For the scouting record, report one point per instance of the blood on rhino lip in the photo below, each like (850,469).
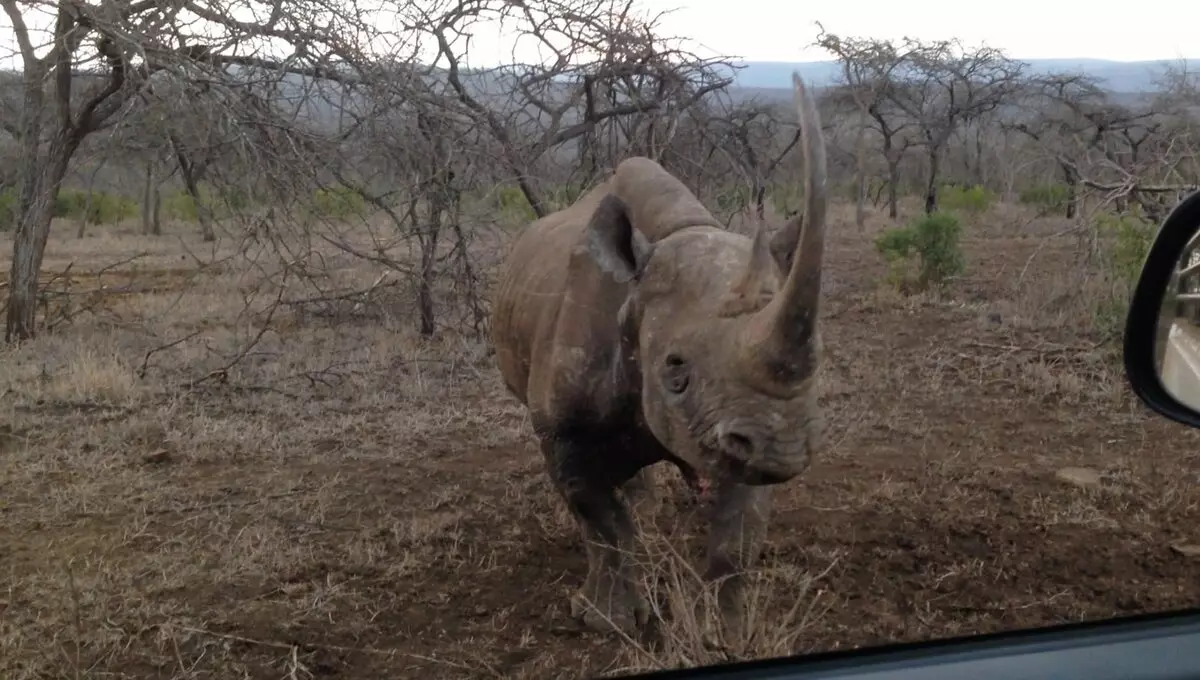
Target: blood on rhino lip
(696,479)
(702,484)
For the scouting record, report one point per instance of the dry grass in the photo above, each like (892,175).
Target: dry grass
(783,604)
(346,499)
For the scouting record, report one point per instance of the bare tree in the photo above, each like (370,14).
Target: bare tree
(752,137)
(418,136)
(942,85)
(407,156)
(1142,153)
(125,45)
(606,64)
(867,68)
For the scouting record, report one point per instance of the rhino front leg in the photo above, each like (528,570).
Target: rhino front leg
(740,514)
(609,597)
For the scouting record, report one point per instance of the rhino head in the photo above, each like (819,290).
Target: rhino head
(718,331)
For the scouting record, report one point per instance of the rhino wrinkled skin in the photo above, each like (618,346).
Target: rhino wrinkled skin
(636,330)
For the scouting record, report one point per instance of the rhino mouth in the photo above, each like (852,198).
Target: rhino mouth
(735,470)
(756,476)
(734,458)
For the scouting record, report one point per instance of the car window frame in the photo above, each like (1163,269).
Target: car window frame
(1160,645)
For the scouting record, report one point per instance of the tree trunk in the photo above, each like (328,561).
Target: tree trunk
(39,192)
(156,218)
(531,195)
(462,245)
(151,203)
(860,152)
(207,234)
(893,191)
(429,244)
(931,185)
(1072,193)
(191,181)
(81,230)
(979,170)
(893,172)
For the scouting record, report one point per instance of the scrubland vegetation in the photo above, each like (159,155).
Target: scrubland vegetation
(250,425)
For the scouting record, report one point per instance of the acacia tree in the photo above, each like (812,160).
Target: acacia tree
(144,145)
(756,130)
(104,55)
(603,64)
(942,85)
(720,138)
(1057,115)
(408,153)
(415,139)
(701,151)
(869,71)
(1142,152)
(867,68)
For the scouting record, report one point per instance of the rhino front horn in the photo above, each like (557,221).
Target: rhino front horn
(781,336)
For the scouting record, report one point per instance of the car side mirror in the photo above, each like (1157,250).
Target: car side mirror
(1162,329)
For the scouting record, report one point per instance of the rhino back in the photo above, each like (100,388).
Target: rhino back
(555,321)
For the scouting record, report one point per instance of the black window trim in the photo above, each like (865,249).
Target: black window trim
(1157,646)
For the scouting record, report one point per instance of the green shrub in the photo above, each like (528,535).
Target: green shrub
(68,203)
(337,203)
(180,205)
(973,201)
(786,198)
(512,204)
(734,199)
(100,208)
(8,208)
(1129,239)
(563,196)
(1126,240)
(1047,198)
(234,199)
(933,242)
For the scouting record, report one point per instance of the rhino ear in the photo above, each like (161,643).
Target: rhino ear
(616,247)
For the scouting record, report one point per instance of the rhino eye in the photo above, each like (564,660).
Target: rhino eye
(675,374)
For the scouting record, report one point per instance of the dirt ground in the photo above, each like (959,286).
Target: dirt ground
(347,501)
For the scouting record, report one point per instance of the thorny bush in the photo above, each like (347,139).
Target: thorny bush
(934,242)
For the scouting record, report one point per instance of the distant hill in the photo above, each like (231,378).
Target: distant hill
(765,81)
(1115,76)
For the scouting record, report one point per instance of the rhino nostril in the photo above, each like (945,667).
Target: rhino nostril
(737,445)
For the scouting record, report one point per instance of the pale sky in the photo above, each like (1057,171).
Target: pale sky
(779,30)
(783,30)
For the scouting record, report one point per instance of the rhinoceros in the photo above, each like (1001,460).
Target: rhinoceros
(635,329)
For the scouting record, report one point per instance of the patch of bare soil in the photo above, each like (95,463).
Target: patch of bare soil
(390,518)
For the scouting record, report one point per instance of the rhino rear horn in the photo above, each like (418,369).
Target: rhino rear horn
(617,248)
(753,290)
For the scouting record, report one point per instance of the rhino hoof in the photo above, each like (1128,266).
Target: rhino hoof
(622,617)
